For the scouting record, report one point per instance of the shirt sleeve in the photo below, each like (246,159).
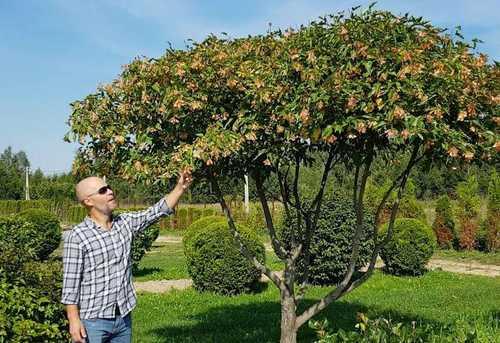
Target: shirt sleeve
(140,220)
(73,256)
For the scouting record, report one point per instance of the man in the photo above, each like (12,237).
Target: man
(97,283)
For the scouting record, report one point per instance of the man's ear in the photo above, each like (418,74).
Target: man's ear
(87,202)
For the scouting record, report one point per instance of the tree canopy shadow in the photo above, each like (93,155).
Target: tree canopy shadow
(146,271)
(260,322)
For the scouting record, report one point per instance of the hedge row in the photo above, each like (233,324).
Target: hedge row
(66,212)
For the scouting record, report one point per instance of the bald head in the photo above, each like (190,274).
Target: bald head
(88,186)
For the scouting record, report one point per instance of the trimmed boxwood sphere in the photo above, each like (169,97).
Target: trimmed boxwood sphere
(198,225)
(410,248)
(331,243)
(47,235)
(214,262)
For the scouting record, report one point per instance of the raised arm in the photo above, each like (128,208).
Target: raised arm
(140,220)
(183,183)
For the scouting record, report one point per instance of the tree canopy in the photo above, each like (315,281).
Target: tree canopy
(369,83)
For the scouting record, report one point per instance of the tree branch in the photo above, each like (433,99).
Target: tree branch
(311,225)
(277,246)
(285,193)
(395,183)
(273,276)
(378,245)
(338,291)
(294,249)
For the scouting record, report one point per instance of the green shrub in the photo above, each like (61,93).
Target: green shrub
(331,243)
(142,241)
(468,204)
(444,226)
(9,206)
(27,314)
(215,263)
(410,248)
(209,212)
(76,214)
(17,238)
(30,290)
(181,217)
(411,208)
(490,238)
(387,331)
(197,226)
(468,199)
(196,213)
(48,231)
(43,204)
(255,218)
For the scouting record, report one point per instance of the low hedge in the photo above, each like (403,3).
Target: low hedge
(48,231)
(410,247)
(214,262)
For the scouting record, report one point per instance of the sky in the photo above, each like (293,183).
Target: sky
(53,52)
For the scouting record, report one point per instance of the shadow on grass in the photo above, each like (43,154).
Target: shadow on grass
(260,322)
(146,271)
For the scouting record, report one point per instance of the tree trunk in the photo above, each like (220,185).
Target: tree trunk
(288,318)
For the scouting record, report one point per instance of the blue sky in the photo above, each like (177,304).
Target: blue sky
(53,52)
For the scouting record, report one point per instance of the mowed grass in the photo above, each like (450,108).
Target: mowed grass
(165,261)
(437,298)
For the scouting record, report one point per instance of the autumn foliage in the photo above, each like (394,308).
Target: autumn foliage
(370,82)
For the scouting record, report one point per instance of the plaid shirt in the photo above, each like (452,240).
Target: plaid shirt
(98,265)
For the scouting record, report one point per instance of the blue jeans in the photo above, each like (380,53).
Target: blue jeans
(101,330)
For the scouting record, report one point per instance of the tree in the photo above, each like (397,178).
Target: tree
(467,212)
(342,91)
(12,167)
(492,239)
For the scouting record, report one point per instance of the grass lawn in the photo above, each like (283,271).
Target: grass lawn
(469,256)
(165,261)
(437,298)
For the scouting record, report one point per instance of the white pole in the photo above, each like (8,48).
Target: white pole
(27,183)
(247,204)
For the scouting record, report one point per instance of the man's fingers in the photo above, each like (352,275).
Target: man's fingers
(79,334)
(77,337)
(186,177)
(82,331)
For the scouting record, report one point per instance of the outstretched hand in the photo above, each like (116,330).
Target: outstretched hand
(185,179)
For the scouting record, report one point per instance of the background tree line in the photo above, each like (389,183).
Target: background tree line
(430,182)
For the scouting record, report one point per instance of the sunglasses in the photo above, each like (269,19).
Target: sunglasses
(103,190)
